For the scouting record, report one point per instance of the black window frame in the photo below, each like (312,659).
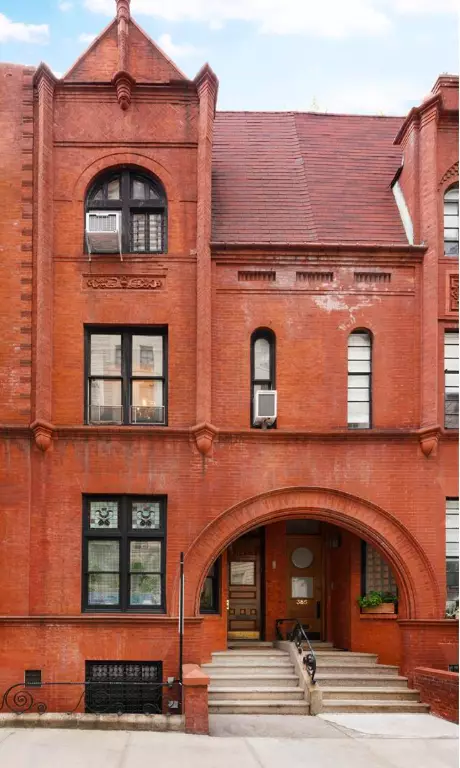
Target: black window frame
(216,585)
(450,417)
(126,377)
(124,534)
(361,331)
(128,205)
(268,335)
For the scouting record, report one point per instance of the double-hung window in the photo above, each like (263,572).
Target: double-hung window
(263,368)
(451,379)
(126,376)
(124,553)
(451,221)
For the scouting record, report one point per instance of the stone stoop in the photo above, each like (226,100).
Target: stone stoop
(356,682)
(254,679)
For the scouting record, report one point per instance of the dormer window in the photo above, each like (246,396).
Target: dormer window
(451,221)
(140,202)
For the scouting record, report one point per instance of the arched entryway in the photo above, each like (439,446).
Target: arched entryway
(418,589)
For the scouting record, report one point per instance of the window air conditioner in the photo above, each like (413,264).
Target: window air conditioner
(103,232)
(265,406)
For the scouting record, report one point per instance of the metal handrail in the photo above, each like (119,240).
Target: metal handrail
(298,636)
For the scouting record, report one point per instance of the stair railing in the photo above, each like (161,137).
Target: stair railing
(299,637)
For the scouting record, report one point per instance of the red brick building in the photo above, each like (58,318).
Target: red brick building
(162,263)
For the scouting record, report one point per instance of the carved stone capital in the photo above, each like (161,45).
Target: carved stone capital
(204,435)
(429,439)
(43,434)
(124,83)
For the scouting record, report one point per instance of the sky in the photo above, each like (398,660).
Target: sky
(358,56)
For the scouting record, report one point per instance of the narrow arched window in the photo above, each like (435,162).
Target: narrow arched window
(140,201)
(359,380)
(451,221)
(262,364)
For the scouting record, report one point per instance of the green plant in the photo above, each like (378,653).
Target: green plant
(374,598)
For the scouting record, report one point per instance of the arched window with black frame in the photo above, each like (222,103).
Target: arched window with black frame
(451,212)
(140,199)
(263,348)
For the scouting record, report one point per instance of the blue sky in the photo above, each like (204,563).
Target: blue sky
(369,56)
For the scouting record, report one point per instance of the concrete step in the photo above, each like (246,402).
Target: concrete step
(250,653)
(345,657)
(249,693)
(333,668)
(253,681)
(249,644)
(244,665)
(258,707)
(347,680)
(356,693)
(370,706)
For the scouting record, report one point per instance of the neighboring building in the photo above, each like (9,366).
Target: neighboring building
(227,254)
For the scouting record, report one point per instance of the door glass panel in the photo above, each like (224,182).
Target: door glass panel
(242,573)
(301,586)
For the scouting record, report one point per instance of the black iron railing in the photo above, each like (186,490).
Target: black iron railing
(299,637)
(96,697)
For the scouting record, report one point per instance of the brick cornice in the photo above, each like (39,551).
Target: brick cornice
(416,114)
(262,251)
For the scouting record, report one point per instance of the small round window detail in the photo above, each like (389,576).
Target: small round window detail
(302,557)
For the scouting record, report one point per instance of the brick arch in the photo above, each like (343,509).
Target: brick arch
(415,576)
(135,159)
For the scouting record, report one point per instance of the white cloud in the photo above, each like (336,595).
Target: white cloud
(175,50)
(65,5)
(22,33)
(389,97)
(333,19)
(86,38)
(58,74)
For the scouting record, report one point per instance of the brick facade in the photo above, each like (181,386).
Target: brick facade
(386,485)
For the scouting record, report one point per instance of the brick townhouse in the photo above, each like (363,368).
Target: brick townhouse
(166,268)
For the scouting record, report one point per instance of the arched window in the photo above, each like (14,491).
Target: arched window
(359,380)
(451,221)
(262,364)
(142,203)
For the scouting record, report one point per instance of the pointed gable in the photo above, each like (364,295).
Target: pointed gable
(147,62)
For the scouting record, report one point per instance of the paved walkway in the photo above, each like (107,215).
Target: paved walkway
(328,741)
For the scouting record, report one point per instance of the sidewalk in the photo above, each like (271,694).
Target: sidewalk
(333,741)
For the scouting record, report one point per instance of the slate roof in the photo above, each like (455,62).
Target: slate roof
(305,177)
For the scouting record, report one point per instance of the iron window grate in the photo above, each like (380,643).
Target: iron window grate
(129,687)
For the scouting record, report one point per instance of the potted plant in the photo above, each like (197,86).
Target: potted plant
(377,602)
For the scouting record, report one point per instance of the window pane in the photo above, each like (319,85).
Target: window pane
(113,189)
(359,340)
(358,395)
(145,556)
(103,556)
(262,360)
(451,249)
(207,595)
(105,354)
(103,514)
(359,366)
(145,589)
(146,515)
(450,221)
(450,208)
(138,227)
(451,234)
(99,194)
(103,589)
(105,401)
(138,190)
(147,355)
(452,193)
(358,413)
(359,353)
(153,194)
(358,381)
(147,405)
(156,231)
(378,576)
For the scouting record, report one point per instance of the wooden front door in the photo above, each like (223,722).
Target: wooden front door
(305,581)
(244,587)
